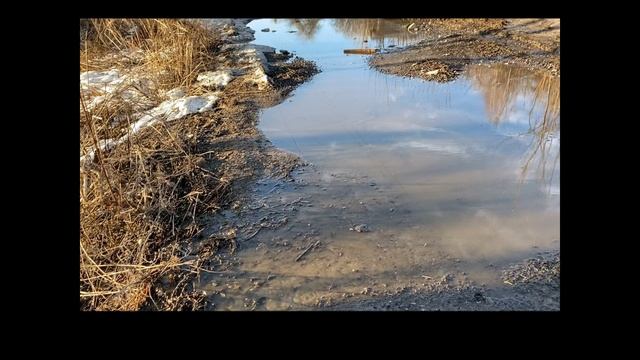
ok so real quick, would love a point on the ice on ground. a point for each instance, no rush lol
(176, 108)
(250, 63)
(263, 48)
(168, 110)
(251, 54)
(105, 81)
(217, 79)
(236, 29)
(249, 59)
(176, 93)
(101, 86)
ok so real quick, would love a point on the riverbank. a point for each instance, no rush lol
(168, 137)
(452, 44)
(186, 204)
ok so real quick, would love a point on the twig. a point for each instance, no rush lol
(208, 172)
(220, 272)
(252, 235)
(307, 250)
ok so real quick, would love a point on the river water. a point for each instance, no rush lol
(456, 178)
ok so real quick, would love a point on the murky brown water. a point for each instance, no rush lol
(453, 178)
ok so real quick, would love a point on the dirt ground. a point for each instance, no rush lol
(237, 151)
(453, 44)
(533, 285)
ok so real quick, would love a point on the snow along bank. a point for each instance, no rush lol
(168, 110)
(238, 59)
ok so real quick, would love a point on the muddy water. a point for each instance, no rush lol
(453, 181)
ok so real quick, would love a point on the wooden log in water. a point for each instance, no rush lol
(360, 51)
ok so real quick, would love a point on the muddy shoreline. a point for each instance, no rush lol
(532, 285)
(208, 161)
(453, 44)
(226, 144)
(272, 232)
(240, 153)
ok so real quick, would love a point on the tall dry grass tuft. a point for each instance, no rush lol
(175, 51)
(139, 200)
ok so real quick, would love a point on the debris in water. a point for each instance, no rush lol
(307, 250)
(265, 30)
(360, 51)
(360, 228)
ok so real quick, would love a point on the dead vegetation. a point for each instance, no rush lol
(144, 201)
(174, 51)
(140, 199)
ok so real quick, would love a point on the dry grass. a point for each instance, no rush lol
(139, 200)
(137, 203)
(175, 51)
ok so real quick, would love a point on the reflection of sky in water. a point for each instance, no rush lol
(432, 143)
(348, 105)
(415, 115)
